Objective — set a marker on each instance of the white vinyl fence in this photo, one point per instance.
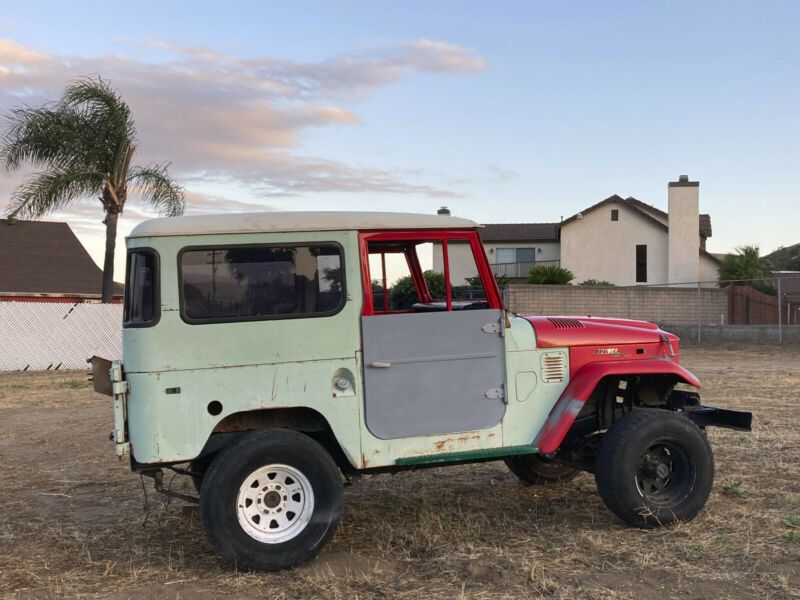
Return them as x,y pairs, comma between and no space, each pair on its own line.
40,336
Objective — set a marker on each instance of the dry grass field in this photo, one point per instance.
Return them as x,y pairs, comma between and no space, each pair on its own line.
74,522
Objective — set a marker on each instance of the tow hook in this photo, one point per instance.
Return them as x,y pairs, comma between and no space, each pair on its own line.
158,477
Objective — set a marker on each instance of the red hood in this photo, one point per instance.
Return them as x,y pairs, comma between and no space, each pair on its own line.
559,332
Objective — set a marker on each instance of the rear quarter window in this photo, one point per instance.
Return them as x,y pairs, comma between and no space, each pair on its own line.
246,283
141,300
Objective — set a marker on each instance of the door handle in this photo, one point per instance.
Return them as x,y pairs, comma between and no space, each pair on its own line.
381,365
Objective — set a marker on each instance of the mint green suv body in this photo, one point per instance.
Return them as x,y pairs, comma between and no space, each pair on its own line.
269,355
256,365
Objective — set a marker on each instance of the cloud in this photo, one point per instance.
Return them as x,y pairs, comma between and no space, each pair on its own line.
441,57
219,117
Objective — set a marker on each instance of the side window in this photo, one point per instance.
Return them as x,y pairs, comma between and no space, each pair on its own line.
392,285
465,281
424,276
243,283
141,301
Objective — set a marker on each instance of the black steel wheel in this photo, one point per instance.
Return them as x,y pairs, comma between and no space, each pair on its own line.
538,470
655,467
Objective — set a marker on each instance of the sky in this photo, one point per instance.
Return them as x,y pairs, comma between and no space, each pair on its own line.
502,111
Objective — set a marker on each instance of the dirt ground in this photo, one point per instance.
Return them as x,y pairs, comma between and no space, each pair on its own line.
74,522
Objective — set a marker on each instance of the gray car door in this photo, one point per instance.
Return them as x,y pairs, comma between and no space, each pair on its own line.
432,373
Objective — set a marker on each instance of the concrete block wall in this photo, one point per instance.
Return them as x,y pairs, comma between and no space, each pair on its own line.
658,304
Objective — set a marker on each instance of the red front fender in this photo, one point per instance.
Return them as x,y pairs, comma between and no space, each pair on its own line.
583,384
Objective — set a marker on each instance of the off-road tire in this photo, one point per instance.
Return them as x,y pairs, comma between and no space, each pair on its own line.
198,468
235,464
537,470
629,484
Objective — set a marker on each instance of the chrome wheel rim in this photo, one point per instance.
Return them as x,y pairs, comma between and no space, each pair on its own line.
275,503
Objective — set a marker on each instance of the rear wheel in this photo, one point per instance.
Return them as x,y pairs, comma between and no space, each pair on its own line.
654,467
538,470
198,468
271,500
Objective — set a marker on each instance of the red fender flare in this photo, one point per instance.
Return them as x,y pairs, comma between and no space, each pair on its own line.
583,384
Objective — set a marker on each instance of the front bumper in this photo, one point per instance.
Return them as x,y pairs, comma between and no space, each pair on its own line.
711,416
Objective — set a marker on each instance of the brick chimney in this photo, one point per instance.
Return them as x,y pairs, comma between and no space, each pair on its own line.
684,230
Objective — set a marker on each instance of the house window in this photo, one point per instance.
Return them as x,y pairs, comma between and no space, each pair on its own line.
246,283
526,255
615,214
641,263
506,256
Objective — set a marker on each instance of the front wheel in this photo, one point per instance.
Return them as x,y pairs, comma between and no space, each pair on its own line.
654,468
271,500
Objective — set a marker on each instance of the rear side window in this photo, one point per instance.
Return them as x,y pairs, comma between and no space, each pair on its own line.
141,289
242,283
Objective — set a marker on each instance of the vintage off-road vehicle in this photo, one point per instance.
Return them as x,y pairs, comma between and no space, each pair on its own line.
272,356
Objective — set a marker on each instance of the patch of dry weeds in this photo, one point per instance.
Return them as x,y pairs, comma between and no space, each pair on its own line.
72,522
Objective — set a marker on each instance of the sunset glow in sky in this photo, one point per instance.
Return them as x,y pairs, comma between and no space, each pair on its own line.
503,111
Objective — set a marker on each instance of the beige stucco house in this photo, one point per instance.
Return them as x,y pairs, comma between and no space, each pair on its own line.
628,242
620,240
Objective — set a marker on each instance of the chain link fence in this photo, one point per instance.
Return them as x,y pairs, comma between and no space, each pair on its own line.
44,336
746,310
41,336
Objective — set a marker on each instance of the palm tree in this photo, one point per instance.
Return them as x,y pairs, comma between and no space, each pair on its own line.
746,263
84,145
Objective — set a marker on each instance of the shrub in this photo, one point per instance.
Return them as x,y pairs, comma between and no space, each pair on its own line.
403,295
500,279
596,283
550,275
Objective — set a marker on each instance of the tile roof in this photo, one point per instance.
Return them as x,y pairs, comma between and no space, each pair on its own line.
656,215
45,257
520,232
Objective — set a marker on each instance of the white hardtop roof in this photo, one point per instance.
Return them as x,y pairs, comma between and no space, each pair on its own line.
275,222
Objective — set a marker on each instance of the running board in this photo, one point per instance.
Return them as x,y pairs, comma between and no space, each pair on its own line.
467,456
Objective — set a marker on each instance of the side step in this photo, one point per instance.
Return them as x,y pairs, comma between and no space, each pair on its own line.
467,455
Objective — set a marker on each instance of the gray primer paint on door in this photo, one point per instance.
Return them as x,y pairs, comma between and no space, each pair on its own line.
442,365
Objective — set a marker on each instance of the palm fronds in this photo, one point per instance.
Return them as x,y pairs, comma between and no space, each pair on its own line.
50,190
157,188
89,131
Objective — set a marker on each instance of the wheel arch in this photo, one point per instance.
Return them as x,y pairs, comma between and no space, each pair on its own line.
592,378
301,419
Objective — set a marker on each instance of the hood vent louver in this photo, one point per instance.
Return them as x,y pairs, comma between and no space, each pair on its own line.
565,323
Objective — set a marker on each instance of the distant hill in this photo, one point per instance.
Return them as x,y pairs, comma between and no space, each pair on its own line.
785,259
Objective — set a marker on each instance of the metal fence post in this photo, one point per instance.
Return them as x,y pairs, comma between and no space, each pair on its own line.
780,316
699,313
628,304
